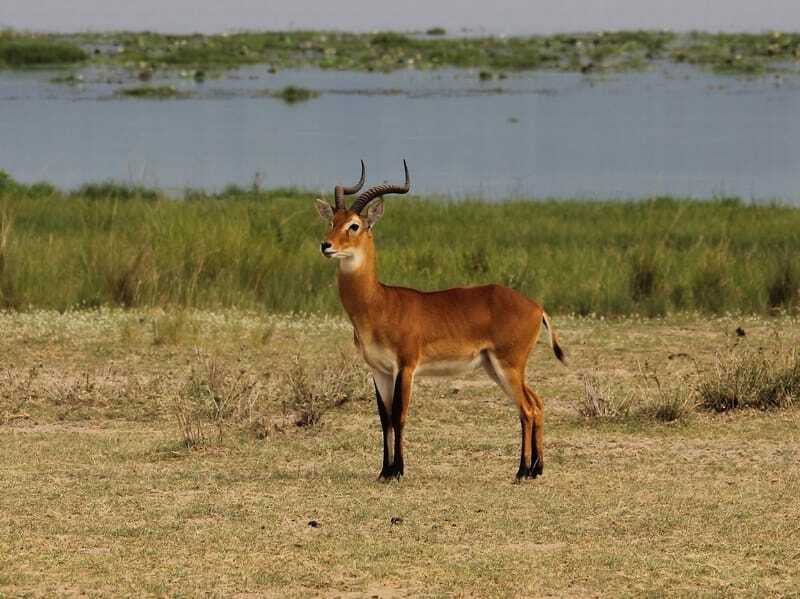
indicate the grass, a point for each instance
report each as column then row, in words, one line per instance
column 751, row 380
column 110, row 244
column 154, row 92
column 103, row 497
column 744, row 54
column 24, row 51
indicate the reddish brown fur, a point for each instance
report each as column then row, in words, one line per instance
column 401, row 331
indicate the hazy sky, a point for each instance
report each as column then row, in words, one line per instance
column 498, row 16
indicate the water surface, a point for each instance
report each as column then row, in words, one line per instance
column 661, row 132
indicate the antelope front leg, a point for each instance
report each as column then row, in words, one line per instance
column 400, row 402
column 384, row 388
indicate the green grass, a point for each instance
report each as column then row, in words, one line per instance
column 20, row 51
column 108, row 244
column 102, row 497
column 741, row 53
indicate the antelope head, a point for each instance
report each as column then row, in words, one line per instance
column 350, row 235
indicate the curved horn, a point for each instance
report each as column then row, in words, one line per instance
column 376, row 192
column 340, row 190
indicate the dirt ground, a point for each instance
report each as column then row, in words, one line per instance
column 101, row 496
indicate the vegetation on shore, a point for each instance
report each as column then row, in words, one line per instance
column 742, row 53
column 107, row 244
column 23, row 50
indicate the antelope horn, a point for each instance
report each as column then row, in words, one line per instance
column 340, row 190
column 376, row 192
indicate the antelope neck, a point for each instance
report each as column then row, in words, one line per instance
column 359, row 289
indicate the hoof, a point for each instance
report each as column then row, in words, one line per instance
column 391, row 473
column 530, row 473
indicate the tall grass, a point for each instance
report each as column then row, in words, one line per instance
column 111, row 245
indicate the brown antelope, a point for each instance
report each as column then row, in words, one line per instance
column 403, row 332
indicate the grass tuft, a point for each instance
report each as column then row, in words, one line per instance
column 650, row 402
column 601, row 402
column 311, row 393
column 213, row 398
column 217, row 399
column 745, row 379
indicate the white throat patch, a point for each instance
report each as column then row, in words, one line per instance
column 352, row 262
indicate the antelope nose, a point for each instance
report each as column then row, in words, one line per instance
column 324, row 246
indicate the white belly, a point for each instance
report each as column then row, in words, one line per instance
column 448, row 367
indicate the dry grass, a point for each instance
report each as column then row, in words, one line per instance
column 101, row 495
column 217, row 399
column 646, row 400
column 751, row 379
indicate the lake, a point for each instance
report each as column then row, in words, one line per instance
column 667, row 131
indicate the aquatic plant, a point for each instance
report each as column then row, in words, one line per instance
column 161, row 92
column 292, row 94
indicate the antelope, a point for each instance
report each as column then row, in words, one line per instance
column 402, row 332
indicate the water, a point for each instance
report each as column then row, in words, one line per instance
column 663, row 132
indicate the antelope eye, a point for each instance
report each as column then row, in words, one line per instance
column 353, row 227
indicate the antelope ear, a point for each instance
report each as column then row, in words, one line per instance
column 325, row 210
column 374, row 212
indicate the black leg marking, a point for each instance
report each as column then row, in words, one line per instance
column 396, row 469
column 536, row 463
column 385, row 426
column 523, row 470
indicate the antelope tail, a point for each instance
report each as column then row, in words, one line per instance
column 553, row 338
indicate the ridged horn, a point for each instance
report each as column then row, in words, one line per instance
column 340, row 190
column 376, row 192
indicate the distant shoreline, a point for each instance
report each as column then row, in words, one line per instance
column 611, row 51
